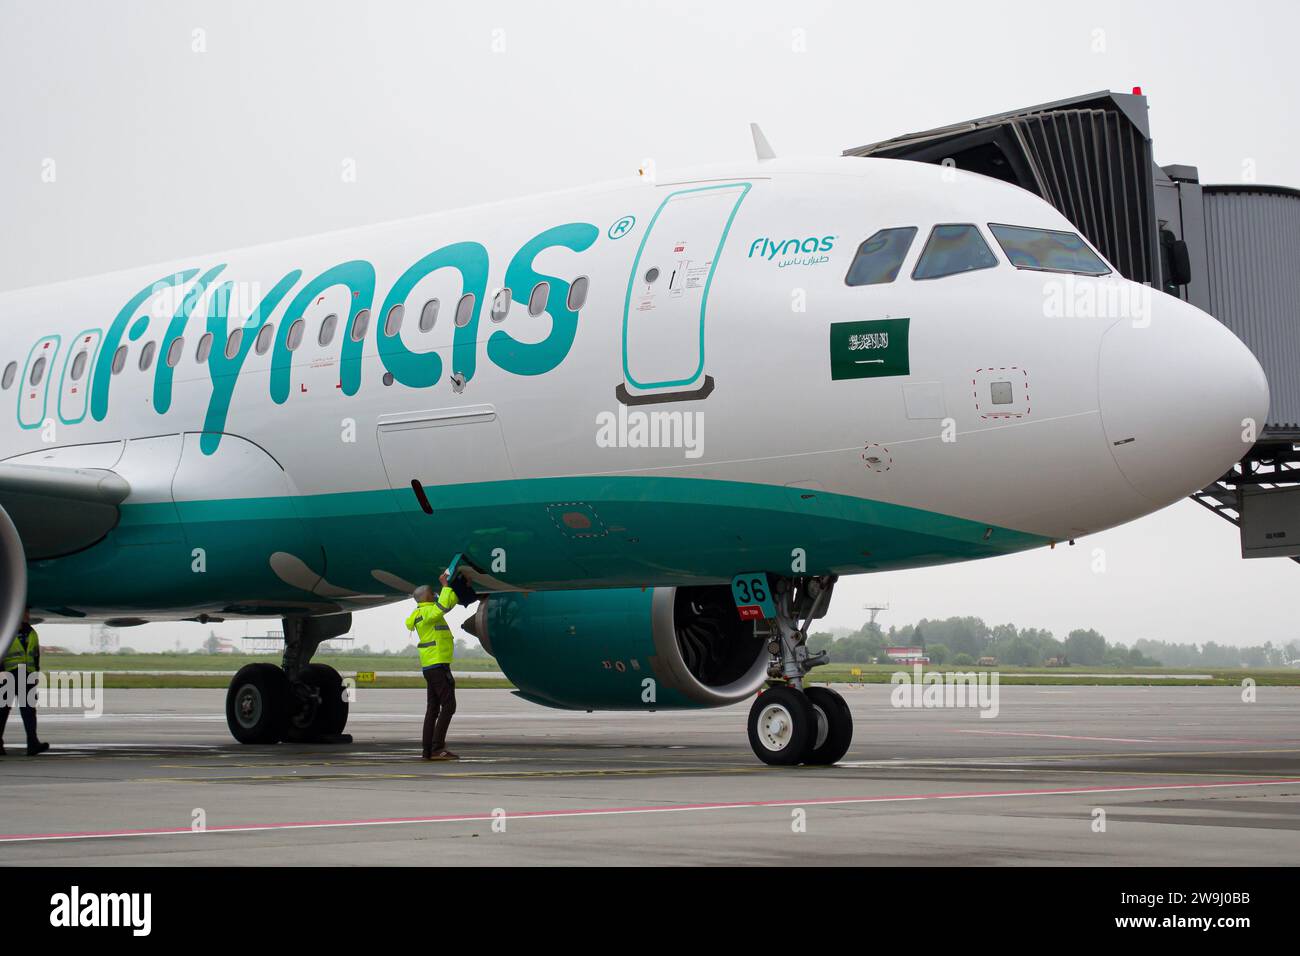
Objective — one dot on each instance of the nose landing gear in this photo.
(789, 724)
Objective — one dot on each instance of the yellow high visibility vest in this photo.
(23, 651)
(436, 642)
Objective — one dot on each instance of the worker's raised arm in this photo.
(447, 599)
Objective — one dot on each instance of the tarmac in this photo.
(1093, 776)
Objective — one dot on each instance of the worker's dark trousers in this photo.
(439, 708)
(28, 713)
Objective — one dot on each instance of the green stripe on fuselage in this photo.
(575, 532)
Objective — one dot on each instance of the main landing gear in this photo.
(788, 723)
(299, 701)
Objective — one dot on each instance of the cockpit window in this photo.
(952, 249)
(1048, 250)
(880, 257)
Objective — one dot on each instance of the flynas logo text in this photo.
(808, 251)
(769, 249)
(173, 305)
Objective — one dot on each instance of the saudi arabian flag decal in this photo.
(869, 349)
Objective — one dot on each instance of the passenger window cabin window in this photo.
(265, 335)
(360, 324)
(1048, 250)
(232, 343)
(428, 315)
(38, 371)
(119, 360)
(578, 293)
(881, 256)
(537, 298)
(11, 370)
(464, 310)
(393, 324)
(203, 348)
(146, 356)
(294, 338)
(952, 249)
(501, 305)
(175, 351)
(326, 335)
(78, 365)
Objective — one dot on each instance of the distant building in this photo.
(987, 662)
(906, 655)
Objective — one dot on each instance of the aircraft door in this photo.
(668, 295)
(74, 384)
(35, 383)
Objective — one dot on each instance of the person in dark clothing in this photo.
(436, 647)
(439, 708)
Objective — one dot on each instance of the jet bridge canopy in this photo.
(1089, 156)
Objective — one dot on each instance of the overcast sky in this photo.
(179, 128)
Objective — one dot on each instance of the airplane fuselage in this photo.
(696, 392)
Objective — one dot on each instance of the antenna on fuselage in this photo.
(762, 148)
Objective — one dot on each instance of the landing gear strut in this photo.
(300, 701)
(789, 724)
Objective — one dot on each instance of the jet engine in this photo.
(624, 649)
(13, 580)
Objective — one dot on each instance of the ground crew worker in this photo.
(20, 666)
(428, 620)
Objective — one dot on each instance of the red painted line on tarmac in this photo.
(618, 811)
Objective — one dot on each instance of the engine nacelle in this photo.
(624, 649)
(13, 580)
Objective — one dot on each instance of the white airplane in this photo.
(655, 419)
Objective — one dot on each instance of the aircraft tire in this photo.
(782, 726)
(327, 718)
(257, 704)
(834, 730)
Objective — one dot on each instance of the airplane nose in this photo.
(1181, 398)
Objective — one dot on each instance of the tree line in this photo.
(962, 641)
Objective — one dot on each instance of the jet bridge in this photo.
(1232, 250)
